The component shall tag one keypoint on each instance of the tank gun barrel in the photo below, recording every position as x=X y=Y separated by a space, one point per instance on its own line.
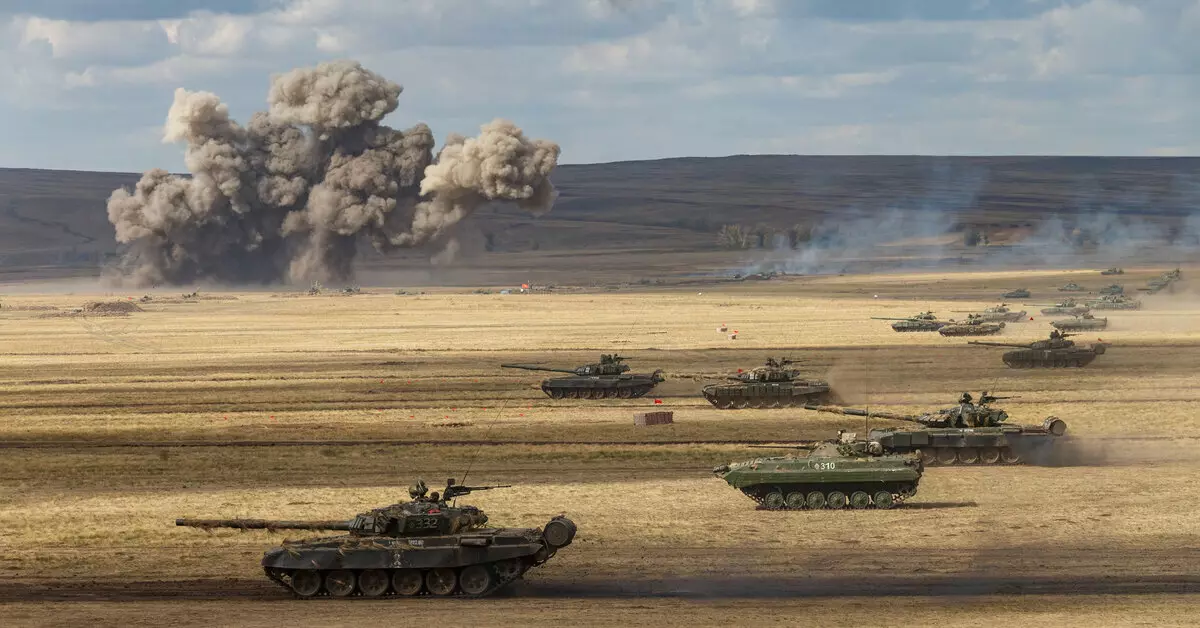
x=534 y=367
x=457 y=490
x=857 y=412
x=263 y=524
x=998 y=344
x=888 y=318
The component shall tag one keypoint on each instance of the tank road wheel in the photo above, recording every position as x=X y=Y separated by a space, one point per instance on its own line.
x=340 y=582
x=373 y=582
x=989 y=455
x=407 y=582
x=625 y=393
x=795 y=501
x=306 y=582
x=508 y=569
x=773 y=500
x=883 y=499
x=945 y=455
x=928 y=456
x=555 y=393
x=835 y=500
x=441 y=581
x=968 y=455
x=475 y=579
x=1009 y=456
x=859 y=500
x=815 y=500
x=725 y=405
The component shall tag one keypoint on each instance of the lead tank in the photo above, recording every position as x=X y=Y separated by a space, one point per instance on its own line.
x=968 y=433
x=771 y=386
x=925 y=321
x=606 y=378
x=834 y=474
x=1054 y=352
x=426 y=546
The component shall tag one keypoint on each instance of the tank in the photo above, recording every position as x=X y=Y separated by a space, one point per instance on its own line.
x=974 y=325
x=1071 y=287
x=968 y=433
x=1019 y=293
x=1113 y=271
x=426 y=546
x=1085 y=322
x=1154 y=286
x=834 y=474
x=606 y=378
x=998 y=313
x=1115 y=288
x=925 y=321
x=1114 y=302
x=1067 y=306
x=1055 y=352
x=771 y=386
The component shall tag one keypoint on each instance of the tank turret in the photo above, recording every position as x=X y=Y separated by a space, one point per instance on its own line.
x=606 y=378
x=429 y=544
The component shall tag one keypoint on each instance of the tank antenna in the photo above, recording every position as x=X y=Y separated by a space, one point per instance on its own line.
x=479 y=450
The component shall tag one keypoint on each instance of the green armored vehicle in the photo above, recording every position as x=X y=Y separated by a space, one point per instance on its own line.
x=1085 y=322
x=606 y=378
x=968 y=433
x=1114 y=302
x=974 y=325
x=998 y=313
x=1115 y=288
x=1019 y=293
x=771 y=386
x=832 y=475
x=1055 y=352
x=1113 y=271
x=424 y=546
x=925 y=321
x=1067 y=306
x=1071 y=287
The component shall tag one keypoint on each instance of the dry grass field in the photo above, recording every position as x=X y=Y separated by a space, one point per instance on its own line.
x=283 y=405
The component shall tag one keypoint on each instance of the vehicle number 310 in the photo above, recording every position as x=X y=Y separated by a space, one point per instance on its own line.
x=824 y=466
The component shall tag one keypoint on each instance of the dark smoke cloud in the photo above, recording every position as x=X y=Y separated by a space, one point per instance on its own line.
x=290 y=195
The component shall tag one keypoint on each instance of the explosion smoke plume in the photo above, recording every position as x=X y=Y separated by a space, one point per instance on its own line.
x=289 y=195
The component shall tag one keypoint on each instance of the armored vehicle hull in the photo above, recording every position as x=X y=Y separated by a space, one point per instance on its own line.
x=904 y=326
x=625 y=386
x=829 y=477
x=1019 y=293
x=1071 y=287
x=1073 y=310
x=1052 y=358
x=1080 y=324
x=767 y=394
x=474 y=564
x=1115 y=305
x=977 y=329
x=1004 y=444
x=1113 y=271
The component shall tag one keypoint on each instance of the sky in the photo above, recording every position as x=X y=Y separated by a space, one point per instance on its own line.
x=86 y=84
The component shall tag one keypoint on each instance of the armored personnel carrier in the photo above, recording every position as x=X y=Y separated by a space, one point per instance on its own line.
x=427 y=546
x=1114 y=302
x=771 y=386
x=1084 y=322
x=1115 y=288
x=1019 y=293
x=1113 y=271
x=925 y=321
x=834 y=474
x=1071 y=287
x=968 y=433
x=974 y=325
x=998 y=313
x=1067 y=306
x=1055 y=352
x=606 y=378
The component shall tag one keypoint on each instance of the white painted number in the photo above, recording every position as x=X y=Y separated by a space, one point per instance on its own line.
x=824 y=466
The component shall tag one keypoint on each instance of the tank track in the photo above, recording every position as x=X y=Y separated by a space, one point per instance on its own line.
x=597 y=393
x=825 y=502
x=946 y=456
x=501 y=581
x=765 y=402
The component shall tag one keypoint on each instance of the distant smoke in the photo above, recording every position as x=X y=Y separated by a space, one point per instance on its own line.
x=289 y=196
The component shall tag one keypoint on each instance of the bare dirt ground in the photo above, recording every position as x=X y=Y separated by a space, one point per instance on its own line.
x=294 y=406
